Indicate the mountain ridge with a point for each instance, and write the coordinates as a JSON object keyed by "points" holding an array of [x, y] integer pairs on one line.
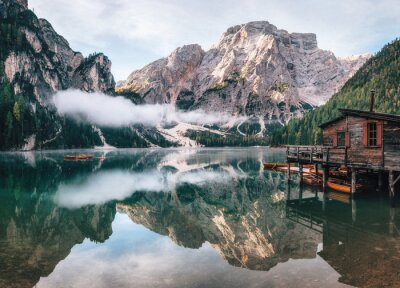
{"points": [[380, 73], [254, 68], [35, 63]]}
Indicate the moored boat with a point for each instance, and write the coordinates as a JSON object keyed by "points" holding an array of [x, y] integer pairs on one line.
{"points": [[340, 185], [294, 170], [78, 157], [274, 166]]}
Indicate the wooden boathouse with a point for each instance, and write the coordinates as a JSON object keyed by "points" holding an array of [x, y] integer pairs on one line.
{"points": [[358, 141]]}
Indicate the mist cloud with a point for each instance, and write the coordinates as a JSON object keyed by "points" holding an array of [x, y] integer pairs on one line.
{"points": [[101, 187], [108, 111]]}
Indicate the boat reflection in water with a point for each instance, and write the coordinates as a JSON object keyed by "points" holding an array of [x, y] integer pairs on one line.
{"points": [[172, 218]]}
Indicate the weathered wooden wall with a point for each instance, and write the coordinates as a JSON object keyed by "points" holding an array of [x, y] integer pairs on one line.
{"points": [[391, 143], [357, 153]]}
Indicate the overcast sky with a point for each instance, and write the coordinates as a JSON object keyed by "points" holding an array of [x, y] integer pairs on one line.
{"points": [[135, 32]]}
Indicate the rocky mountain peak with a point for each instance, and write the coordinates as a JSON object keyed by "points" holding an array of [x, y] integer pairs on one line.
{"points": [[257, 29], [254, 27], [177, 71], [255, 69], [94, 74], [53, 65], [36, 62], [185, 55]]}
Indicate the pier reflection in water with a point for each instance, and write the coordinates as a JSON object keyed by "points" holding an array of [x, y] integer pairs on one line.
{"points": [[193, 218]]}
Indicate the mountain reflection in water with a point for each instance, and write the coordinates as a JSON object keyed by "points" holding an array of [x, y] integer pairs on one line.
{"points": [[216, 206]]}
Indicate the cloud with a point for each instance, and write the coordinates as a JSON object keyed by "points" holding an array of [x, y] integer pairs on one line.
{"points": [[144, 30], [105, 186], [104, 110], [102, 187]]}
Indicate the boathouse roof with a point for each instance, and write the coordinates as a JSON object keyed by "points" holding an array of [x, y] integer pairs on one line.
{"points": [[363, 114]]}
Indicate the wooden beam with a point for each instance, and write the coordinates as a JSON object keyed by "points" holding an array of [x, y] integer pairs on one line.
{"points": [[391, 184], [301, 173], [325, 178], [380, 180], [392, 223], [353, 210]]}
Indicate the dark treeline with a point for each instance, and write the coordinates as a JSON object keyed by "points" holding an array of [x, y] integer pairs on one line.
{"points": [[381, 73], [15, 119], [23, 117], [210, 139]]}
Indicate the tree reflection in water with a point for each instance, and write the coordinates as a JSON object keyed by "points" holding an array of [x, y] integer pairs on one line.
{"points": [[221, 197]]}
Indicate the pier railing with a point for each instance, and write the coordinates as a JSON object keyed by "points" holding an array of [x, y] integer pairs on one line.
{"points": [[316, 154]]}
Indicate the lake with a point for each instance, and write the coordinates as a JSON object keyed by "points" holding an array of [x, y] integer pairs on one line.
{"points": [[185, 218]]}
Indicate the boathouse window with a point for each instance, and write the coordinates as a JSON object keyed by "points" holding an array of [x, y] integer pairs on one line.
{"points": [[372, 135], [341, 139]]}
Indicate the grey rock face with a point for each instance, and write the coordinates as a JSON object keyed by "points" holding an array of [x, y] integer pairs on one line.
{"points": [[94, 75], [44, 63], [51, 65], [163, 80], [255, 69]]}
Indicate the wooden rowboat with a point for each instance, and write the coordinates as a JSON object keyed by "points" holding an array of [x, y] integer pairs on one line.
{"points": [[78, 157], [274, 166], [341, 185]]}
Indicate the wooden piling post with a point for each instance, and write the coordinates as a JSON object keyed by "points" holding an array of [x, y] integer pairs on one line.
{"points": [[353, 210], [316, 170], [289, 164], [301, 173], [380, 180], [325, 177], [353, 181], [391, 187], [300, 193], [392, 222]]}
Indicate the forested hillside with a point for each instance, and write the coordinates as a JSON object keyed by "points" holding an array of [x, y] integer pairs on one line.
{"points": [[381, 73], [36, 63]]}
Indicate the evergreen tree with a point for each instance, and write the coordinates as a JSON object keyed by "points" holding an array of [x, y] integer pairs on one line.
{"points": [[17, 112], [381, 73]]}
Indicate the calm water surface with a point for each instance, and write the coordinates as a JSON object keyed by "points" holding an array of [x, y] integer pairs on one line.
{"points": [[185, 218]]}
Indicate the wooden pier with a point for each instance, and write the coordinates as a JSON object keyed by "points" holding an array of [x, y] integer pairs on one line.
{"points": [[357, 141]]}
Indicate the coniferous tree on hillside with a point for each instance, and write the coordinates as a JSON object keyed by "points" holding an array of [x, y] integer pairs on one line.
{"points": [[381, 73]]}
